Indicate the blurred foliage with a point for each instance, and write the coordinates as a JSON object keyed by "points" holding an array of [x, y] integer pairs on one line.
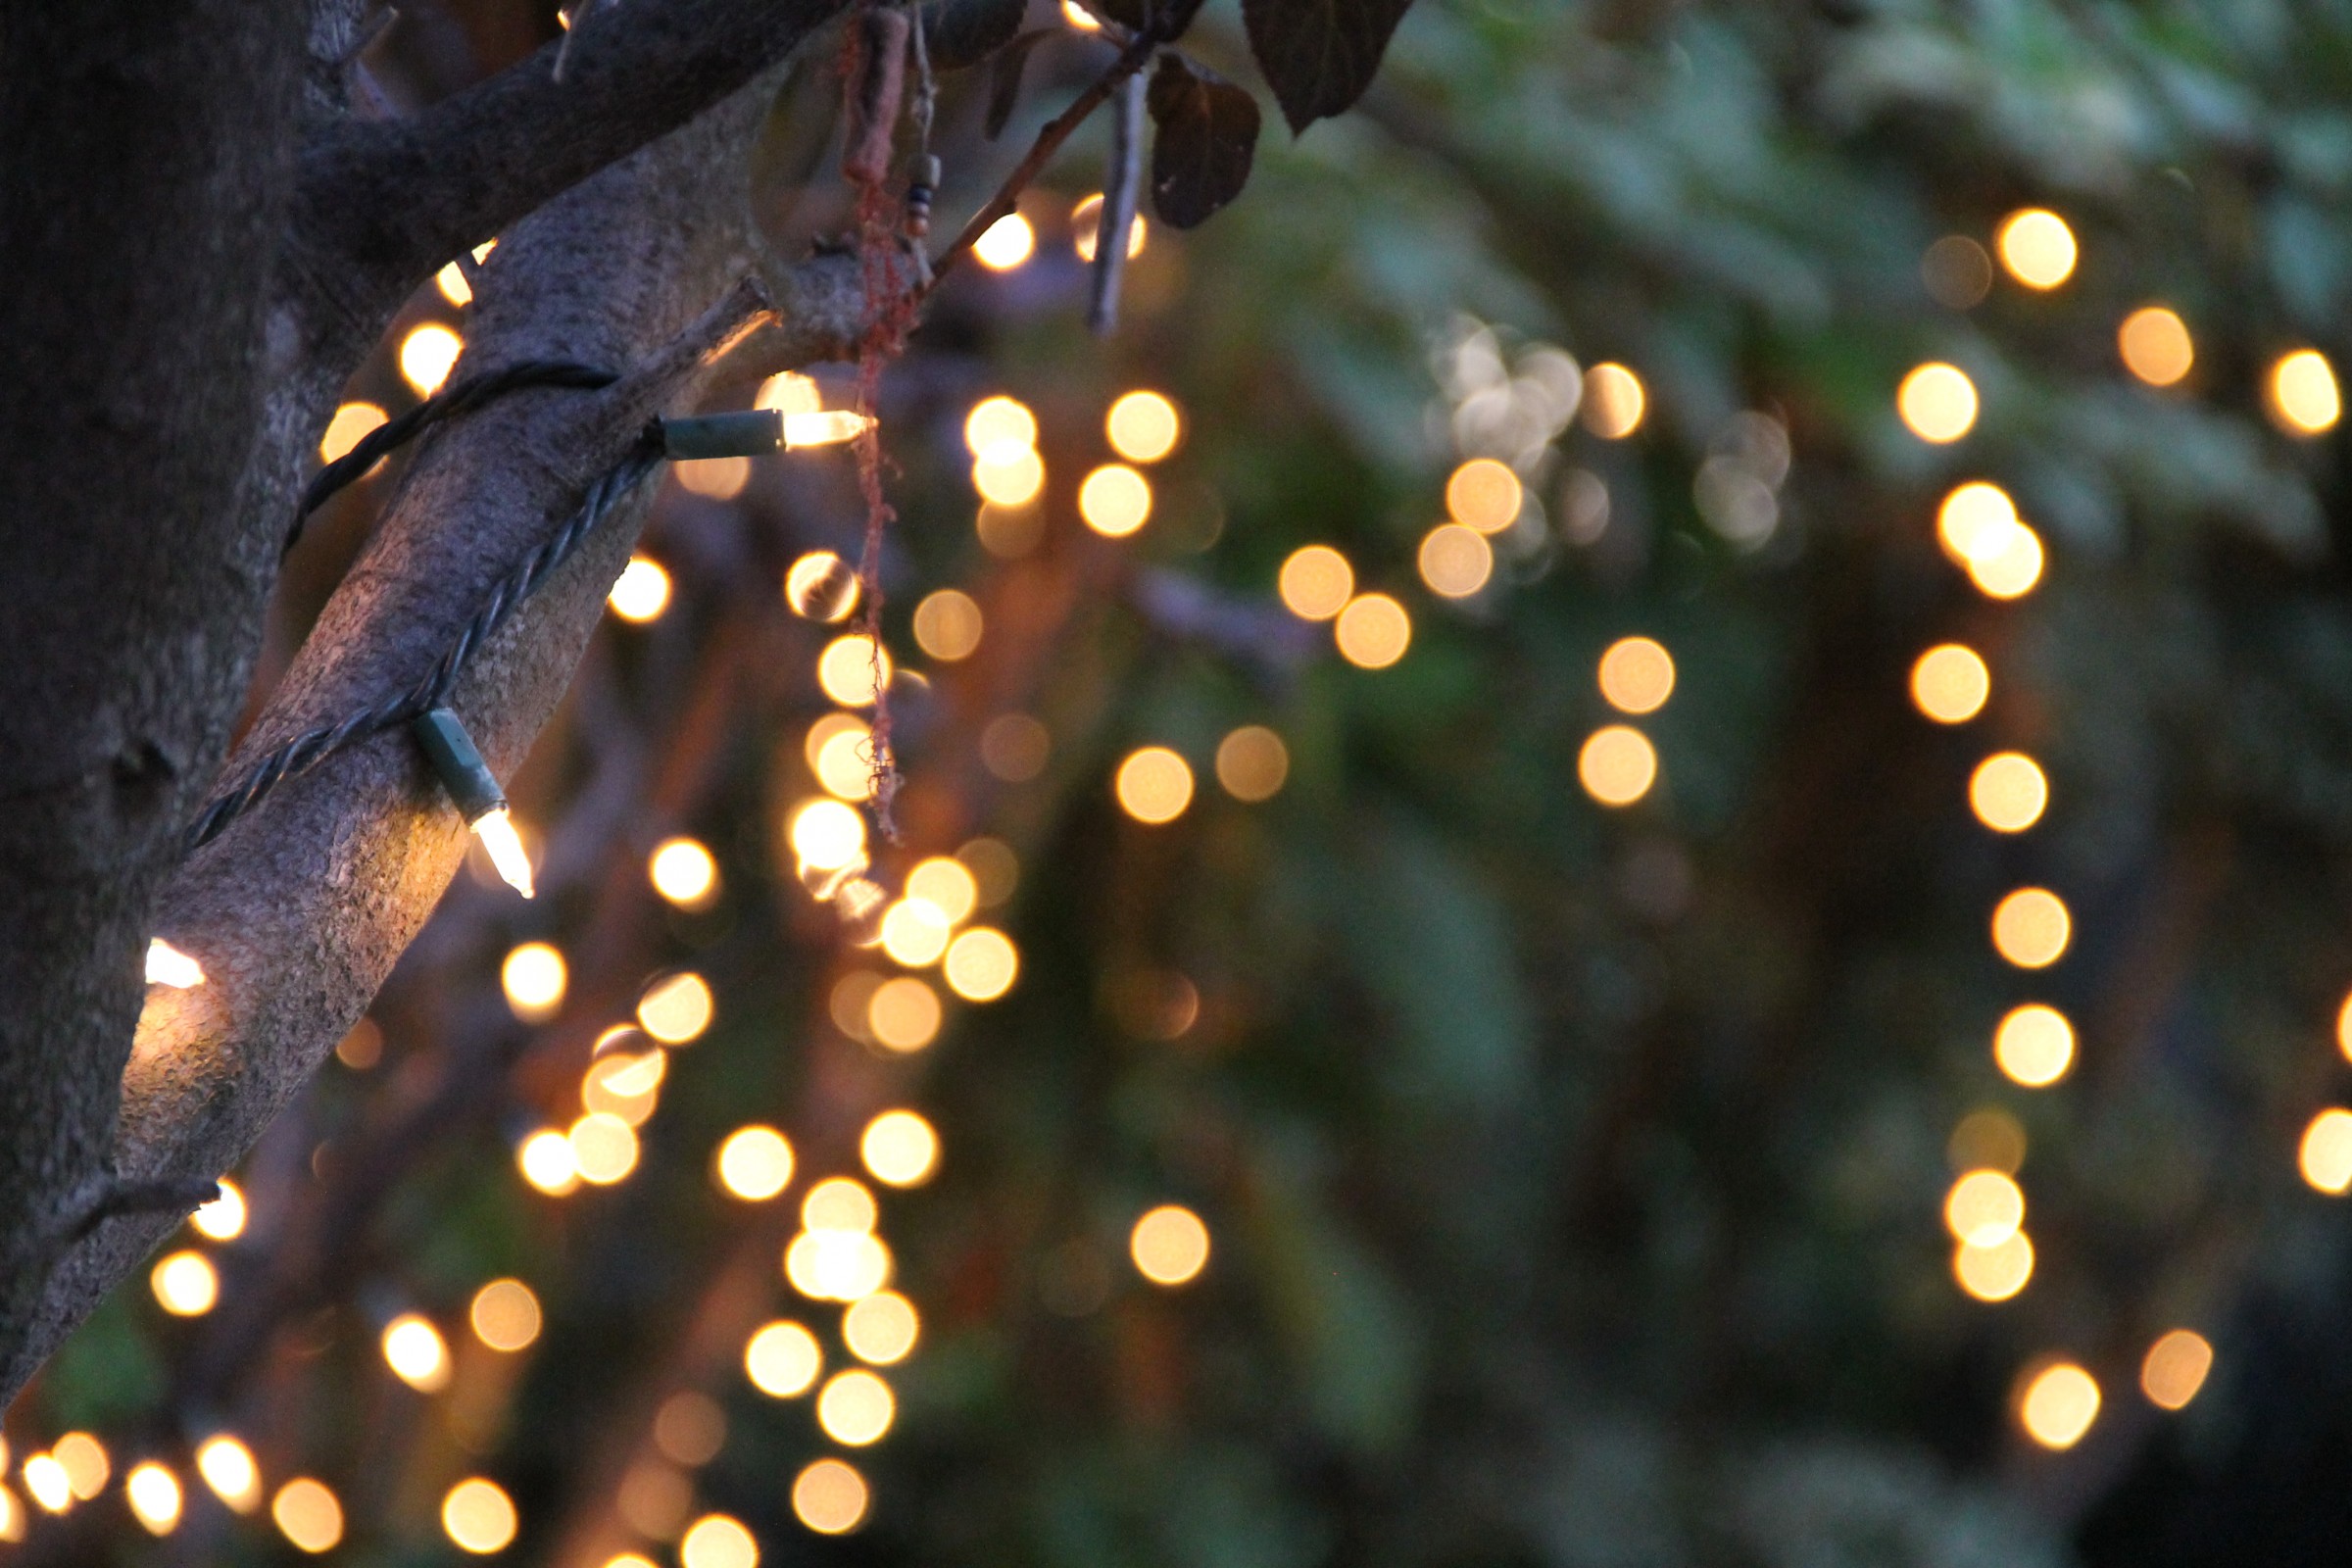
{"points": [[1574, 1174]]}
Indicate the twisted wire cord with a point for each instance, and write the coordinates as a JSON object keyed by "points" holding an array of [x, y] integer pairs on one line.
{"points": [[461, 397], [308, 750]]}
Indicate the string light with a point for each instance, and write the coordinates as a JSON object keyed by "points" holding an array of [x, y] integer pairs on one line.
{"points": [[417, 1353], [2324, 1155], [2176, 1368], [783, 1359], [153, 1494], [45, 1481], [758, 433], [2033, 1046], [1614, 401], [1984, 1207], [1170, 1245], [185, 1284], [166, 966], [1617, 765], [856, 1407], [2031, 928], [948, 625], [1316, 582], [999, 428], [755, 1164], [1483, 496], [903, 1013], [476, 794], [534, 977], [1114, 501], [1454, 562], [1373, 632], [227, 1468], [2008, 792], [1153, 785], [547, 1162], [426, 357], [2036, 247], [947, 884], [914, 933], [351, 422], [676, 1008], [1995, 1273], [980, 964], [1086, 229], [1636, 675], [1143, 426], [1949, 684], [900, 1147], [821, 586], [2059, 1405], [881, 1328], [684, 873], [2155, 345], [1937, 402], [1006, 243], [2304, 398], [1253, 763], [851, 671], [478, 1516], [504, 1315], [641, 592], [309, 1515], [85, 1463], [830, 1497]]}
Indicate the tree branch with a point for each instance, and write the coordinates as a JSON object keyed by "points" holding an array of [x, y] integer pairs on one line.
{"points": [[300, 909], [381, 203]]}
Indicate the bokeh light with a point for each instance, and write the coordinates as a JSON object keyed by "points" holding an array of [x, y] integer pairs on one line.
{"points": [[2059, 1405], [308, 1514], [478, 1516], [1170, 1245], [820, 586], [426, 357], [755, 1164], [227, 1468], [641, 592], [1006, 243], [1617, 765], [1253, 763], [506, 1315], [1153, 785], [856, 1407], [1483, 496], [2155, 345], [604, 1147], [900, 1147], [1614, 401], [2036, 247], [2304, 398], [683, 873], [154, 1495], [1316, 582], [829, 1497], [534, 978], [947, 884], [1114, 501], [2176, 1367], [2324, 1155], [783, 1359], [547, 1162], [415, 1352], [1373, 632], [185, 1284], [2031, 928], [1086, 230], [1949, 683], [1984, 1207], [947, 624], [1454, 562], [2008, 792], [903, 1013], [1143, 426], [676, 1008], [1636, 675], [717, 1541], [980, 964], [880, 1328], [850, 671], [351, 422], [2033, 1044], [223, 1218], [1937, 402], [1995, 1273]]}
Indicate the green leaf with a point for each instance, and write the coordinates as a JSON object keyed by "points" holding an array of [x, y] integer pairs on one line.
{"points": [[1319, 55], [1208, 137], [963, 32]]}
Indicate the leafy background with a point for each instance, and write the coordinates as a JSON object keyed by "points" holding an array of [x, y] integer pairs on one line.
{"points": [[1574, 1174]]}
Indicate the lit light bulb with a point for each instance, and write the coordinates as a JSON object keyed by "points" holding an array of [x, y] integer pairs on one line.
{"points": [[166, 966], [496, 829], [824, 427]]}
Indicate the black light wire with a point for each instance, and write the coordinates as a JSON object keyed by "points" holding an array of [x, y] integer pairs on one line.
{"points": [[313, 746]]}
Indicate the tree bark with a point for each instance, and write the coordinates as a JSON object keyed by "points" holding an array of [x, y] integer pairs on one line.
{"points": [[192, 286]]}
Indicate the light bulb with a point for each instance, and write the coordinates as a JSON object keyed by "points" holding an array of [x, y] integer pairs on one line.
{"points": [[825, 427], [166, 966], [496, 829]]}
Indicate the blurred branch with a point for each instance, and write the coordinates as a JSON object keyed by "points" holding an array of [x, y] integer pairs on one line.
{"points": [[380, 205], [1122, 179]]}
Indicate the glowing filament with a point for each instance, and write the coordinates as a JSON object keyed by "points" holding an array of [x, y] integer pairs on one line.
{"points": [[496, 830], [825, 427]]}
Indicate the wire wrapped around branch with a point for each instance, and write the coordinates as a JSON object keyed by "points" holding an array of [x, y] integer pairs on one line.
{"points": [[308, 750]]}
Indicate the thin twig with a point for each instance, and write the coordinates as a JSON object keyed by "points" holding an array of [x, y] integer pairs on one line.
{"points": [[1121, 181], [1132, 59]]}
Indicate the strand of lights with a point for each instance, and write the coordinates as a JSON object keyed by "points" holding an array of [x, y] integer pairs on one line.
{"points": [[474, 791]]}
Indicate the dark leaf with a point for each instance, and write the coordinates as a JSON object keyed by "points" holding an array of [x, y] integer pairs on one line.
{"points": [[1005, 86], [1207, 136], [1168, 17], [1319, 55], [963, 32]]}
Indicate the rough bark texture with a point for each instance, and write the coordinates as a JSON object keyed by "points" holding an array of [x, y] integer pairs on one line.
{"points": [[191, 282]]}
